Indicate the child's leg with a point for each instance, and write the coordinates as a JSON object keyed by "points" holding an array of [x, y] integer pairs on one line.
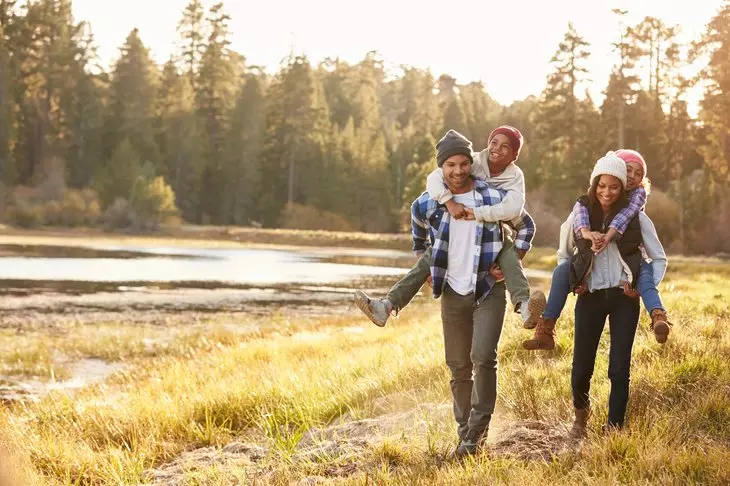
{"points": [[379, 310], [514, 275], [559, 290], [652, 302], [647, 289], [545, 331], [406, 288]]}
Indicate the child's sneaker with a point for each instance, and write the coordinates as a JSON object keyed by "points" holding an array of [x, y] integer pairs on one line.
{"points": [[532, 309], [378, 311], [660, 325]]}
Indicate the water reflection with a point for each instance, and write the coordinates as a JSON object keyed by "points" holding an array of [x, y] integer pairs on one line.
{"points": [[227, 266]]}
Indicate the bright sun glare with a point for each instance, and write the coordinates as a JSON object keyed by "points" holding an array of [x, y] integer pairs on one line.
{"points": [[507, 46]]}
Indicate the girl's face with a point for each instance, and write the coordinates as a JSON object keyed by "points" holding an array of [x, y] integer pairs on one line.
{"points": [[608, 190], [634, 175]]}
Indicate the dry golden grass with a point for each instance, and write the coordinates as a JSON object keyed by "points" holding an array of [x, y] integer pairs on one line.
{"points": [[214, 386]]}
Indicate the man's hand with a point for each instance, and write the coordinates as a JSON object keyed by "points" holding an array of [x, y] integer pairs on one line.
{"points": [[630, 292], [429, 281], [456, 210], [496, 272]]}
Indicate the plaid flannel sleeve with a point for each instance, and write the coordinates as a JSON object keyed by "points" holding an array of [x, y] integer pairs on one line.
{"points": [[580, 219], [525, 227], [419, 228], [621, 220]]}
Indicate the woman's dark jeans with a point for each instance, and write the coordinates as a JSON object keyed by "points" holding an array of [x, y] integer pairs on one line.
{"points": [[591, 311]]}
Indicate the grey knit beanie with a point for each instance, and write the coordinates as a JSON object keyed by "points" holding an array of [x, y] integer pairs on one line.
{"points": [[452, 143]]}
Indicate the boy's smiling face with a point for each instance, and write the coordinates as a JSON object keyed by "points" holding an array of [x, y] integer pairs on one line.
{"points": [[501, 152]]}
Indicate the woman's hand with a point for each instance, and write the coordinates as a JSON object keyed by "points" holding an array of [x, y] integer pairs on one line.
{"points": [[629, 291], [598, 242]]}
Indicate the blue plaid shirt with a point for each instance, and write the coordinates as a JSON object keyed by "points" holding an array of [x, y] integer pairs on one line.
{"points": [[430, 226]]}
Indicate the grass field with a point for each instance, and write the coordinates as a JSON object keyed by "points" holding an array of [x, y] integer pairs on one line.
{"points": [[282, 400]]}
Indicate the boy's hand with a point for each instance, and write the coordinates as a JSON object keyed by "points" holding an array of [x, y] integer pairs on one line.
{"points": [[429, 281], [469, 214], [456, 210]]}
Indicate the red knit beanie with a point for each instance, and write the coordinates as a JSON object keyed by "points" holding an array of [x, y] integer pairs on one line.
{"points": [[628, 155], [513, 135]]}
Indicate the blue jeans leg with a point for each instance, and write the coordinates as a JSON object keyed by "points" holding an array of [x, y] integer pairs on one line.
{"points": [[647, 289], [559, 290]]}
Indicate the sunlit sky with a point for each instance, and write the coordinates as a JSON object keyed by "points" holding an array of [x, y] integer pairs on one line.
{"points": [[507, 45]]}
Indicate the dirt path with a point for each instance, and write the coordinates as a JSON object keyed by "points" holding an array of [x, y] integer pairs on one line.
{"points": [[348, 445]]}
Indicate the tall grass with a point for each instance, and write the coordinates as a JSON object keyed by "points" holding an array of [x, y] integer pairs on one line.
{"points": [[273, 389]]}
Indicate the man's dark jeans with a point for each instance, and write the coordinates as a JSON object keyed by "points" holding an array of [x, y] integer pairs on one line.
{"points": [[591, 311]]}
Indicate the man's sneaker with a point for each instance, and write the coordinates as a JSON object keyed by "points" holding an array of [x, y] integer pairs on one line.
{"points": [[533, 310], [378, 311]]}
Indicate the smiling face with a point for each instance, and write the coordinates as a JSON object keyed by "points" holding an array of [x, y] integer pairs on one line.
{"points": [[457, 171], [501, 152], [634, 175], [608, 190]]}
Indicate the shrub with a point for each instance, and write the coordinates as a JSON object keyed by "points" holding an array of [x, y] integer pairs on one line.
{"points": [[298, 216], [119, 215], [153, 202], [664, 212], [26, 215]]}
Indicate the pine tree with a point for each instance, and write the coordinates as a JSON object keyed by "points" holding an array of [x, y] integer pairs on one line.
{"points": [[716, 104], [243, 152], [297, 122], [215, 96], [559, 119], [133, 95], [179, 140]]}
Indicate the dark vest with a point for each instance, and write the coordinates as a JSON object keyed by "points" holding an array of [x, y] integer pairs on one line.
{"points": [[628, 245]]}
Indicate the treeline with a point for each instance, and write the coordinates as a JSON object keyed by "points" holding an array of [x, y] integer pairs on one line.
{"points": [[211, 139]]}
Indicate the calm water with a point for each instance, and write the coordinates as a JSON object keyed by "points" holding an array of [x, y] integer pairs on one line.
{"points": [[236, 266]]}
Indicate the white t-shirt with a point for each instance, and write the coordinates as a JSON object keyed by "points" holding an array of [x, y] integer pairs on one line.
{"points": [[462, 248]]}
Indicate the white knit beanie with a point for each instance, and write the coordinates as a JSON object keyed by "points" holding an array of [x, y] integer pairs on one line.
{"points": [[610, 164]]}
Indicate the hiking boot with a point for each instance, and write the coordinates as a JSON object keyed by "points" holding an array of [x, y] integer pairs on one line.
{"points": [[470, 445], [580, 424], [378, 311], [544, 335], [660, 325], [533, 310]]}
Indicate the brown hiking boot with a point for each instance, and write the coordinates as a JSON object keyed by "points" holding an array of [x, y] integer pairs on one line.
{"points": [[544, 335], [580, 424], [660, 325]]}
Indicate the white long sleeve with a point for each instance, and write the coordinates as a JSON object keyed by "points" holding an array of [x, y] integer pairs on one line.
{"points": [[512, 181], [566, 243]]}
